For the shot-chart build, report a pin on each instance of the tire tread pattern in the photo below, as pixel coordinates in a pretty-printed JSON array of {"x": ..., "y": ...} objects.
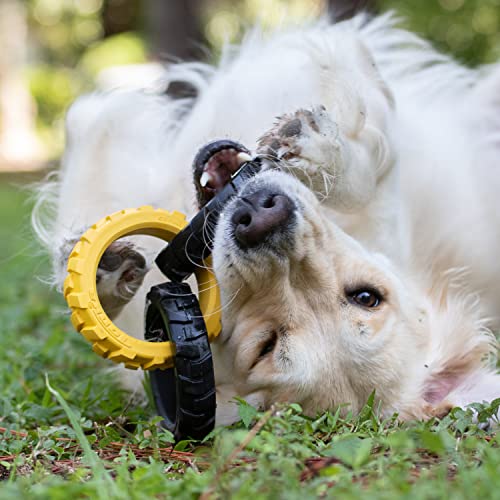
[{"x": 184, "y": 394}]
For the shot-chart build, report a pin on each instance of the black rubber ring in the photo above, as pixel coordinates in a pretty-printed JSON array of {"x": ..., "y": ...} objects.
[{"x": 184, "y": 395}]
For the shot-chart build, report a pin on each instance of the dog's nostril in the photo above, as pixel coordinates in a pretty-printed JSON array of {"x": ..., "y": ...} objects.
[
  {"x": 242, "y": 217},
  {"x": 245, "y": 220},
  {"x": 269, "y": 202}
]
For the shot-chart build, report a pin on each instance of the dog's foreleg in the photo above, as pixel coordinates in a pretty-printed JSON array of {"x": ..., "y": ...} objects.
[
  {"x": 120, "y": 273},
  {"x": 312, "y": 146}
]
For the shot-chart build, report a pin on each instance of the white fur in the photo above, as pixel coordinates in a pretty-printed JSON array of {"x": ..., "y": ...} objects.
[{"x": 406, "y": 168}]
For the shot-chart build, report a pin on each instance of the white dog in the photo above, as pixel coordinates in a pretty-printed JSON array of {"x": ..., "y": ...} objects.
[{"x": 365, "y": 257}]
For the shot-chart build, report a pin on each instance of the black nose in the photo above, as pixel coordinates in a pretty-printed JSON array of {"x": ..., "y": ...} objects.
[{"x": 260, "y": 214}]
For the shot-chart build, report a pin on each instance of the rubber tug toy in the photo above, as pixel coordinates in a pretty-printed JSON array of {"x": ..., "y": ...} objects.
[{"x": 179, "y": 326}]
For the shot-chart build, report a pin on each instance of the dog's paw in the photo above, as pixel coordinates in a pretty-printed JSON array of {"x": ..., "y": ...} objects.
[
  {"x": 306, "y": 144},
  {"x": 120, "y": 274}
]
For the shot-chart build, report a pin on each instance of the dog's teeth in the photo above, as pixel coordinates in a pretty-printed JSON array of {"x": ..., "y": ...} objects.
[
  {"x": 205, "y": 179},
  {"x": 243, "y": 157}
]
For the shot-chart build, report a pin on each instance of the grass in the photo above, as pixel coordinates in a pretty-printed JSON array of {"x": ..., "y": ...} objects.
[{"x": 66, "y": 430}]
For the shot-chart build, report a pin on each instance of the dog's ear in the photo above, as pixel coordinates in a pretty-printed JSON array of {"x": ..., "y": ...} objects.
[
  {"x": 461, "y": 388},
  {"x": 454, "y": 387},
  {"x": 461, "y": 363},
  {"x": 450, "y": 390},
  {"x": 478, "y": 387}
]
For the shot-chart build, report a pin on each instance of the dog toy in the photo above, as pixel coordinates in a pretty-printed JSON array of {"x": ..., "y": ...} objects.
[
  {"x": 80, "y": 291},
  {"x": 178, "y": 326},
  {"x": 185, "y": 394}
]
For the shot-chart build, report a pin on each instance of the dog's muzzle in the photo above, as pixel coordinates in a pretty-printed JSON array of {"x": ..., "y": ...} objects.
[{"x": 259, "y": 215}]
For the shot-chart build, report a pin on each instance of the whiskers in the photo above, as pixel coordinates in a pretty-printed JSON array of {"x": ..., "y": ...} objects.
[
  {"x": 270, "y": 161},
  {"x": 226, "y": 304},
  {"x": 208, "y": 242},
  {"x": 322, "y": 187},
  {"x": 329, "y": 181}
]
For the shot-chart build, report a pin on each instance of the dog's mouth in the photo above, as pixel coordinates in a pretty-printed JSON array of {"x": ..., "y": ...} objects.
[{"x": 214, "y": 165}]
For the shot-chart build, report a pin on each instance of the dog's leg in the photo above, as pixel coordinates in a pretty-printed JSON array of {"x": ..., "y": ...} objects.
[
  {"x": 312, "y": 146},
  {"x": 120, "y": 273}
]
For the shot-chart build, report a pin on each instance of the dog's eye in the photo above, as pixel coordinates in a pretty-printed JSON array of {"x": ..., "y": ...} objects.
[
  {"x": 269, "y": 345},
  {"x": 365, "y": 298}
]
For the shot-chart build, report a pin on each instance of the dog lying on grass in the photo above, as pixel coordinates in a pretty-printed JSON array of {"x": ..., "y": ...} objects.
[{"x": 364, "y": 257}]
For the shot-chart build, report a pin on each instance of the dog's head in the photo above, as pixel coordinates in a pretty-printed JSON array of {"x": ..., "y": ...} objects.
[{"x": 310, "y": 316}]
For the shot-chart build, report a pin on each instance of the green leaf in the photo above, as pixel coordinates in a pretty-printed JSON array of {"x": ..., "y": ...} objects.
[
  {"x": 351, "y": 450},
  {"x": 246, "y": 412},
  {"x": 401, "y": 442},
  {"x": 437, "y": 442},
  {"x": 296, "y": 407},
  {"x": 182, "y": 445}
]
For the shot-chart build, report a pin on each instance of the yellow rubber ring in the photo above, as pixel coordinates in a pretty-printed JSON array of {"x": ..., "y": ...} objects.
[{"x": 80, "y": 291}]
